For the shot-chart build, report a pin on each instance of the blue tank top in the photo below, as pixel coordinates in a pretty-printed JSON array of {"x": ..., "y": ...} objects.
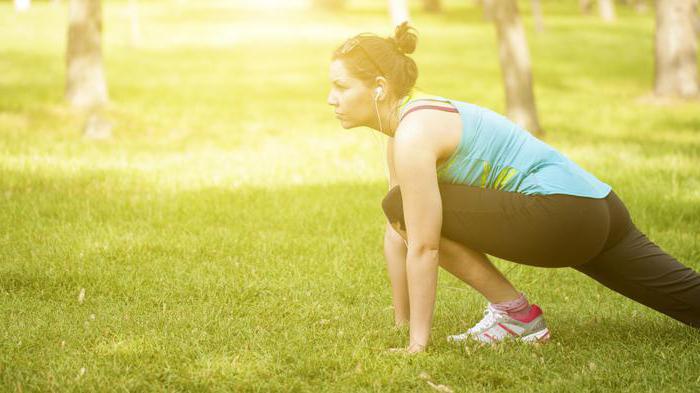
[{"x": 494, "y": 152}]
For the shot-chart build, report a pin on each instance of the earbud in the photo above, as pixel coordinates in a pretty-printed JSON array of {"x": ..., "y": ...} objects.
[{"x": 377, "y": 92}]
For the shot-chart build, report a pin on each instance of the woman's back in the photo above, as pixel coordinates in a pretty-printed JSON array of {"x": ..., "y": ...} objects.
[{"x": 493, "y": 152}]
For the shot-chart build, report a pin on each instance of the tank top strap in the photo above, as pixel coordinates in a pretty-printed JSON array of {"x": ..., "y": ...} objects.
[
  {"x": 424, "y": 99},
  {"x": 440, "y": 108}
]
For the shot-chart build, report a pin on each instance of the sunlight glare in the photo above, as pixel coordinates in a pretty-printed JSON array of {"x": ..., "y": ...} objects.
[{"x": 275, "y": 4}]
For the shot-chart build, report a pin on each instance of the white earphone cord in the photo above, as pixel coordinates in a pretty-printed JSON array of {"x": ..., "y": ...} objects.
[
  {"x": 379, "y": 119},
  {"x": 376, "y": 110}
]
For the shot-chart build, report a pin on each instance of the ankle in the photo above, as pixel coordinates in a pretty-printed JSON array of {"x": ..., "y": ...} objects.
[{"x": 517, "y": 308}]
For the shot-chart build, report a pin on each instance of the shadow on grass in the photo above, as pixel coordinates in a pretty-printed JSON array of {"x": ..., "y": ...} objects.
[{"x": 630, "y": 332}]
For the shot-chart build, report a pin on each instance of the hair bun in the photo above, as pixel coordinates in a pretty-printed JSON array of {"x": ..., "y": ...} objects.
[{"x": 405, "y": 38}]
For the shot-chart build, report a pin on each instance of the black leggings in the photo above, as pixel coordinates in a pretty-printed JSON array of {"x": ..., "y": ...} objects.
[{"x": 594, "y": 236}]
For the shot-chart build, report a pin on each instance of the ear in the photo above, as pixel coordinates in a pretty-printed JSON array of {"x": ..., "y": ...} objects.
[
  {"x": 378, "y": 93},
  {"x": 381, "y": 87}
]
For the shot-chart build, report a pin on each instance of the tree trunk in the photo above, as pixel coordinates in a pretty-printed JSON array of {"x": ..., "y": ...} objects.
[
  {"x": 135, "y": 37},
  {"x": 676, "y": 49},
  {"x": 487, "y": 6},
  {"x": 607, "y": 10},
  {"x": 696, "y": 17},
  {"x": 398, "y": 10},
  {"x": 640, "y": 6},
  {"x": 432, "y": 6},
  {"x": 585, "y": 6},
  {"x": 22, "y": 5},
  {"x": 515, "y": 66},
  {"x": 85, "y": 84},
  {"x": 537, "y": 15}
]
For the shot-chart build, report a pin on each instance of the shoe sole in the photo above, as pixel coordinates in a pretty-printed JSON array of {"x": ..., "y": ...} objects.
[
  {"x": 537, "y": 337},
  {"x": 456, "y": 339},
  {"x": 532, "y": 338}
]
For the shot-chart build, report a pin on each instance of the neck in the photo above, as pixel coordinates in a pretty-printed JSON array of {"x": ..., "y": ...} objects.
[{"x": 388, "y": 112}]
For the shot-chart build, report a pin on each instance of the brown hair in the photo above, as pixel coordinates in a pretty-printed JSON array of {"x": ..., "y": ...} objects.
[{"x": 367, "y": 56}]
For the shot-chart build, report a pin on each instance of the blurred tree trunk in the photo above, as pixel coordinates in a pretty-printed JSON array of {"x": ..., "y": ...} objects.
[
  {"x": 487, "y": 6},
  {"x": 85, "y": 80},
  {"x": 332, "y": 5},
  {"x": 135, "y": 37},
  {"x": 433, "y": 6},
  {"x": 696, "y": 17},
  {"x": 607, "y": 10},
  {"x": 640, "y": 6},
  {"x": 537, "y": 15},
  {"x": 22, "y": 5},
  {"x": 398, "y": 10},
  {"x": 676, "y": 49},
  {"x": 586, "y": 6},
  {"x": 637, "y": 5},
  {"x": 515, "y": 66}
]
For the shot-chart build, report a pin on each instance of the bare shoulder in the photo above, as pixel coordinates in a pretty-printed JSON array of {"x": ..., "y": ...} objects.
[{"x": 437, "y": 130}]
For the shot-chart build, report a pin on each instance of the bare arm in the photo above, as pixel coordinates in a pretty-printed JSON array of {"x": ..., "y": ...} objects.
[
  {"x": 395, "y": 254},
  {"x": 415, "y": 158}
]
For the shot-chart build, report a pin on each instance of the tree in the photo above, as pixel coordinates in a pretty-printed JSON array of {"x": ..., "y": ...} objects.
[
  {"x": 586, "y": 6},
  {"x": 696, "y": 18},
  {"x": 487, "y": 7},
  {"x": 676, "y": 72},
  {"x": 537, "y": 15},
  {"x": 85, "y": 81},
  {"x": 432, "y": 6},
  {"x": 638, "y": 5},
  {"x": 135, "y": 37},
  {"x": 398, "y": 10},
  {"x": 607, "y": 10},
  {"x": 515, "y": 66}
]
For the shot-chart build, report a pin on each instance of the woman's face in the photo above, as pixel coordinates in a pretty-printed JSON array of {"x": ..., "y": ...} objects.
[{"x": 350, "y": 97}]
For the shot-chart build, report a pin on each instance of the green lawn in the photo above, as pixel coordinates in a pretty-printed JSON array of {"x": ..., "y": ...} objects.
[{"x": 229, "y": 237}]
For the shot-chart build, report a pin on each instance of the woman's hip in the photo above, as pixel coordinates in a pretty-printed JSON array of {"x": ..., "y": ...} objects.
[{"x": 542, "y": 230}]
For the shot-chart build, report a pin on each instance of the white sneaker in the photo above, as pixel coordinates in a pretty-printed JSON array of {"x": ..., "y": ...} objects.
[{"x": 497, "y": 326}]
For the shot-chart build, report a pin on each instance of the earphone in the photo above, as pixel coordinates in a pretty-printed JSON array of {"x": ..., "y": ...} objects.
[{"x": 377, "y": 92}]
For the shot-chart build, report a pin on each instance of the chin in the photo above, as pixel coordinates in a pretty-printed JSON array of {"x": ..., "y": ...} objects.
[{"x": 347, "y": 125}]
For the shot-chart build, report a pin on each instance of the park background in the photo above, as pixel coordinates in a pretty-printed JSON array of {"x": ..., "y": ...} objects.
[{"x": 221, "y": 232}]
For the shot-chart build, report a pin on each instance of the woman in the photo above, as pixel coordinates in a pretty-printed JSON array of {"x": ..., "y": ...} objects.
[{"x": 466, "y": 182}]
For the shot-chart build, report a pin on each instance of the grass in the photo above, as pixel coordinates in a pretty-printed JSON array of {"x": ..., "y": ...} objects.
[{"x": 228, "y": 238}]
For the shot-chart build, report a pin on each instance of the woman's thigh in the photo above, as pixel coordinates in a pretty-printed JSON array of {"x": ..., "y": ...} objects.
[
  {"x": 641, "y": 270},
  {"x": 539, "y": 230}
]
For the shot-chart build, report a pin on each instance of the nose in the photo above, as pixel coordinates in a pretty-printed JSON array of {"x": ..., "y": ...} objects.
[{"x": 332, "y": 101}]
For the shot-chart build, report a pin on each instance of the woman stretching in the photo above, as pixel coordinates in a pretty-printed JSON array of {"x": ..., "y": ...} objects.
[{"x": 466, "y": 182}]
